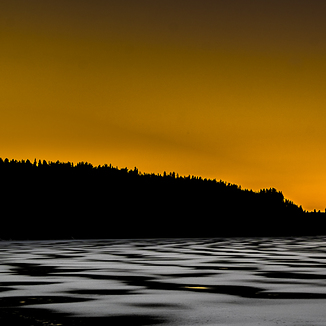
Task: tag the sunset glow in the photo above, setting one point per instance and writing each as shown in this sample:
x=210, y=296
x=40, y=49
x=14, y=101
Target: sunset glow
x=231, y=90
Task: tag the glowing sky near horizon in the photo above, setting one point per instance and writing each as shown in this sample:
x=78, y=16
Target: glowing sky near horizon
x=232, y=90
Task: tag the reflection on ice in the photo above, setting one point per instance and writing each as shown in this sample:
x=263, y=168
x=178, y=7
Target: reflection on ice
x=166, y=281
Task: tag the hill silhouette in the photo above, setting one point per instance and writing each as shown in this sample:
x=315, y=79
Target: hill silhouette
x=56, y=200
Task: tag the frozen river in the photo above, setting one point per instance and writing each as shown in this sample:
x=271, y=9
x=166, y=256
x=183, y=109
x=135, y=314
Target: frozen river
x=240, y=281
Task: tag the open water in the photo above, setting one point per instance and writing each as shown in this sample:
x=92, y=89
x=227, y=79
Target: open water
x=239, y=281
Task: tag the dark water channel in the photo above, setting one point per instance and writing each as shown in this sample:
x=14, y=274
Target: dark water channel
x=241, y=281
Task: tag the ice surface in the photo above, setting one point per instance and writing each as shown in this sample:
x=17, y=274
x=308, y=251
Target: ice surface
x=240, y=281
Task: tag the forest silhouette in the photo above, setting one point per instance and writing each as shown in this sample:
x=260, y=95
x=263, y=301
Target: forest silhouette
x=57, y=200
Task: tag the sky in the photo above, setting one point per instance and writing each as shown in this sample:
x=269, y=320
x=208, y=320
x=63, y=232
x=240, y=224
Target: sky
x=232, y=90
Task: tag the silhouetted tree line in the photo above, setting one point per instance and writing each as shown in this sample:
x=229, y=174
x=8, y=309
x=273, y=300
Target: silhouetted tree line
x=44, y=200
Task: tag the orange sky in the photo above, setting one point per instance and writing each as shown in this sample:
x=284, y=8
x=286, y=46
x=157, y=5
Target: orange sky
x=232, y=90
